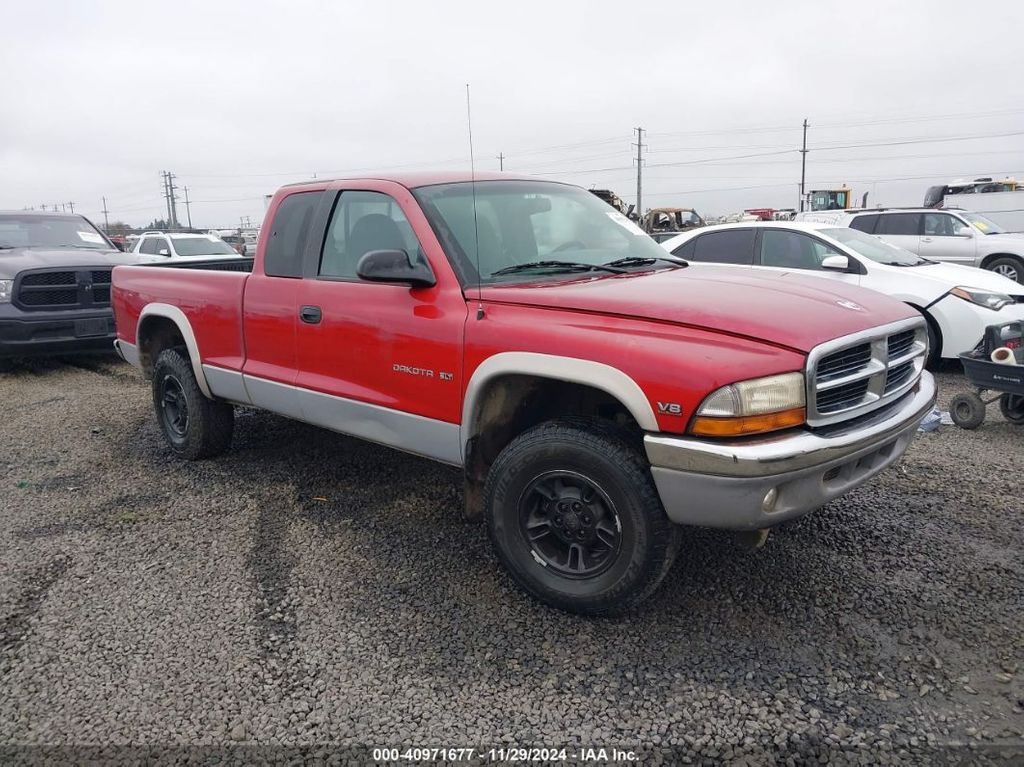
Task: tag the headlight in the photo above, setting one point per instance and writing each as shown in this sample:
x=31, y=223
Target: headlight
x=993, y=301
x=752, y=407
x=6, y=288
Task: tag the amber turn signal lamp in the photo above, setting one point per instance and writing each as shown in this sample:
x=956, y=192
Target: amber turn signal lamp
x=739, y=426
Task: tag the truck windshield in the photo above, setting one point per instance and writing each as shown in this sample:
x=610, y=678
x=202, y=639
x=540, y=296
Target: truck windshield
x=34, y=231
x=982, y=224
x=531, y=228
x=202, y=246
x=871, y=247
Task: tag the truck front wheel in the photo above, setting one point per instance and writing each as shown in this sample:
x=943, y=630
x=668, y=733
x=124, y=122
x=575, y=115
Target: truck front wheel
x=194, y=425
x=575, y=517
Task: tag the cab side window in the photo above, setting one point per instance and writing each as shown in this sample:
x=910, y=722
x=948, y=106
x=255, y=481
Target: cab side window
x=150, y=245
x=940, y=225
x=360, y=223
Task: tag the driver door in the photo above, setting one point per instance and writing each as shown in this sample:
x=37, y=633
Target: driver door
x=382, y=361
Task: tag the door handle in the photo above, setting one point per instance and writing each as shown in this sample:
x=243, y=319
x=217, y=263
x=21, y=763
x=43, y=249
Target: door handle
x=926, y=239
x=311, y=315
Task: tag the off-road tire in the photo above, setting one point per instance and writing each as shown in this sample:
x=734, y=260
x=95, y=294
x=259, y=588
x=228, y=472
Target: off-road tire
x=609, y=458
x=208, y=424
x=967, y=410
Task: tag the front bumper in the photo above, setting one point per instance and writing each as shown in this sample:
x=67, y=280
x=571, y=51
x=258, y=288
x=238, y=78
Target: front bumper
x=55, y=332
x=726, y=484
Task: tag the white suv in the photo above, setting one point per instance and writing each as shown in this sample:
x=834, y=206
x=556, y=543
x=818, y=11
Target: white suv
x=160, y=244
x=952, y=235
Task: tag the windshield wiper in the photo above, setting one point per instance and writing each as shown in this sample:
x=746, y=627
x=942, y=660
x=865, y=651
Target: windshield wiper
x=6, y=247
x=565, y=266
x=646, y=260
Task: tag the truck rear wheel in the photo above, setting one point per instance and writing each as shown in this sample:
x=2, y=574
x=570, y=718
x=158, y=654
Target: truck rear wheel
x=194, y=425
x=576, y=519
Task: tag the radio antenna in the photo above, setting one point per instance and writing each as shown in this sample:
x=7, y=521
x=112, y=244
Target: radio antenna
x=476, y=227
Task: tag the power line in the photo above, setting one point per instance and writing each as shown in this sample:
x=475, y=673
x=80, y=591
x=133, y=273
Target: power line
x=942, y=139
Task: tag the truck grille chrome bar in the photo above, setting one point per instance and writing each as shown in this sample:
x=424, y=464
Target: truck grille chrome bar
x=854, y=375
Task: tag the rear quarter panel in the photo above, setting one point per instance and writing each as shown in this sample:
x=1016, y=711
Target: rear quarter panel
x=210, y=300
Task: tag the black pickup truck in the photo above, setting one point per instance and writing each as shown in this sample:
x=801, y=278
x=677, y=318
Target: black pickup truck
x=55, y=284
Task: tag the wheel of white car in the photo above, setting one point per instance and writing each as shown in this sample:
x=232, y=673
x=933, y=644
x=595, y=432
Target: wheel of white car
x=1010, y=267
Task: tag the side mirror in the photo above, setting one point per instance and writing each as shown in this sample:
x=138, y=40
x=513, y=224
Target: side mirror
x=163, y=252
x=965, y=231
x=394, y=266
x=836, y=263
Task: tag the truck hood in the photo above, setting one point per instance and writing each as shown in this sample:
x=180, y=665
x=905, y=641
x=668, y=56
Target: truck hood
x=782, y=308
x=20, y=259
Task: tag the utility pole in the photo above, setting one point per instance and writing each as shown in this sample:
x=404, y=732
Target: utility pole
x=188, y=208
x=501, y=161
x=803, y=168
x=639, y=170
x=72, y=206
x=167, y=194
x=174, y=202
x=106, y=221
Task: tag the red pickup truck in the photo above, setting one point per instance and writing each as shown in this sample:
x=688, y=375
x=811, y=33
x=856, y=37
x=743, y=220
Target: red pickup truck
x=596, y=392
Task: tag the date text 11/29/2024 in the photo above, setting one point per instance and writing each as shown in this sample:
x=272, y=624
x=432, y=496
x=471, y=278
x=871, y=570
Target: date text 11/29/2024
x=504, y=754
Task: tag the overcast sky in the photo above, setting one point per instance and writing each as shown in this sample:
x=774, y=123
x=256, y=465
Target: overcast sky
x=97, y=98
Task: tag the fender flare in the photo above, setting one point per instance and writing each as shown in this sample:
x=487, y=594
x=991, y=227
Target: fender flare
x=587, y=372
x=177, y=316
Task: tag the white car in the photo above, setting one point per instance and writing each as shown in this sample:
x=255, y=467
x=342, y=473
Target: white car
x=957, y=236
x=959, y=302
x=157, y=246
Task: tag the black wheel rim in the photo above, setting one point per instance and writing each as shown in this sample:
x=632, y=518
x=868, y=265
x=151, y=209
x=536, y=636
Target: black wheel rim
x=964, y=410
x=173, y=406
x=570, y=524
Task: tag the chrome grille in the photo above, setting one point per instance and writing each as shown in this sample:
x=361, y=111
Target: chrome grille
x=843, y=363
x=900, y=343
x=856, y=374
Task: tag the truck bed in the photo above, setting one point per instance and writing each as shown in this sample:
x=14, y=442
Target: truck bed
x=208, y=293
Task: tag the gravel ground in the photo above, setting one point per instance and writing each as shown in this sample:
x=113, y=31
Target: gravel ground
x=311, y=589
